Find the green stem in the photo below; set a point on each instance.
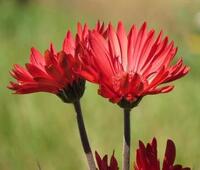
(127, 140)
(83, 136)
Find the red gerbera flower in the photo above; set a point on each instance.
(103, 163)
(146, 157)
(54, 72)
(128, 67)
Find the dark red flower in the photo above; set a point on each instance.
(103, 163)
(128, 67)
(146, 157)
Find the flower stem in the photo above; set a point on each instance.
(127, 140)
(83, 136)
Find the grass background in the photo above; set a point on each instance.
(39, 127)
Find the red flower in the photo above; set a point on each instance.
(128, 67)
(103, 163)
(51, 73)
(146, 157)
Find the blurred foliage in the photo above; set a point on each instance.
(40, 128)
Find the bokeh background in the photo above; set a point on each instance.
(40, 128)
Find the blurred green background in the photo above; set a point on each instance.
(40, 128)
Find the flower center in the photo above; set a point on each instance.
(128, 85)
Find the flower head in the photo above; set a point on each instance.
(146, 157)
(128, 67)
(51, 72)
(103, 163)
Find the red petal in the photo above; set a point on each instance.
(138, 46)
(101, 55)
(98, 159)
(123, 42)
(20, 73)
(35, 71)
(114, 43)
(36, 58)
(113, 163)
(69, 44)
(170, 154)
(132, 36)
